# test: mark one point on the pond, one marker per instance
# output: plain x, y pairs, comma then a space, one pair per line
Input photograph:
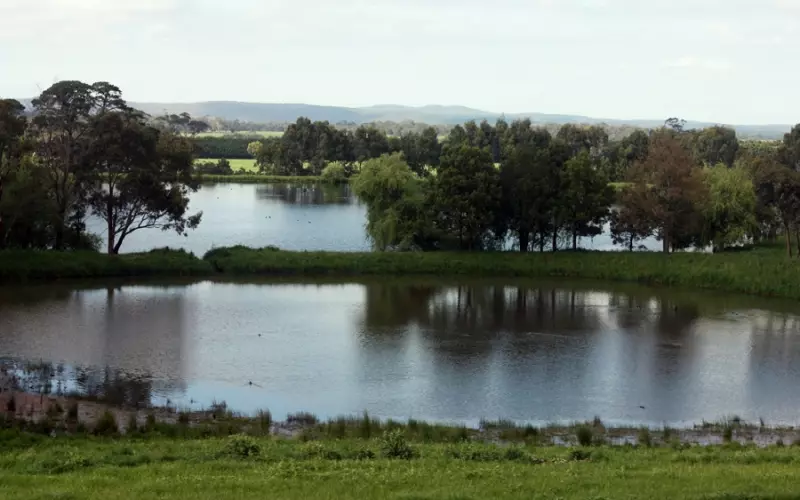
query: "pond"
289, 216
447, 351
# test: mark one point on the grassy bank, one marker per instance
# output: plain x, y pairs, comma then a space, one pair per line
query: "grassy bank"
243, 468
763, 271
21, 266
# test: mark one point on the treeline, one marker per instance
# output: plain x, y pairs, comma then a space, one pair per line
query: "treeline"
493, 184
306, 147
82, 150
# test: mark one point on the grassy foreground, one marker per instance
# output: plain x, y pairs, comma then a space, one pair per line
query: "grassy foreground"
761, 271
240, 467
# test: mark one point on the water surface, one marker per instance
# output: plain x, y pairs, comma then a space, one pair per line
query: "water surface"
532, 351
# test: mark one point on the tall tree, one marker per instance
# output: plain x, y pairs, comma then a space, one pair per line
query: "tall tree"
529, 181
730, 211
586, 197
142, 177
395, 204
467, 194
789, 151
61, 126
714, 145
667, 190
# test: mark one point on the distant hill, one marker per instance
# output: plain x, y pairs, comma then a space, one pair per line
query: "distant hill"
431, 114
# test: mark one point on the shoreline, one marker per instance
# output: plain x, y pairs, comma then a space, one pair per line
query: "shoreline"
76, 416
763, 271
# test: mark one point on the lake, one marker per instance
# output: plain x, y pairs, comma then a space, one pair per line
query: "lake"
439, 350
289, 216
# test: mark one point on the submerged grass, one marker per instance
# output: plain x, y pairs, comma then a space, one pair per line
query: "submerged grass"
387, 466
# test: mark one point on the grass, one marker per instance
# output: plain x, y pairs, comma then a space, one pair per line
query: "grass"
387, 466
248, 165
761, 271
260, 133
20, 265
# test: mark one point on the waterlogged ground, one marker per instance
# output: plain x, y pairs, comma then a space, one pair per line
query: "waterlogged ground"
439, 351
290, 216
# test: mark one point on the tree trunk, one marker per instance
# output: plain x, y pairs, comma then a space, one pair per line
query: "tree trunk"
797, 240
574, 239
788, 241
665, 242
630, 243
524, 240
555, 239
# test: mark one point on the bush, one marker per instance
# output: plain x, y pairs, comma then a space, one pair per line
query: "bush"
72, 412
334, 173
303, 418
264, 421
580, 455
584, 435
394, 445
727, 434
644, 438
11, 405
242, 446
106, 425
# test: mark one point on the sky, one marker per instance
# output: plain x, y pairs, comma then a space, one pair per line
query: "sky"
726, 61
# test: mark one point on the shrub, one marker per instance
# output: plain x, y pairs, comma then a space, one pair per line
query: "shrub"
133, 424
365, 454
242, 446
335, 172
394, 445
106, 425
72, 412
264, 420
183, 418
727, 434
11, 405
580, 455
644, 438
584, 435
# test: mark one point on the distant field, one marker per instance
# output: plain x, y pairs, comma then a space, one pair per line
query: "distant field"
236, 164
262, 133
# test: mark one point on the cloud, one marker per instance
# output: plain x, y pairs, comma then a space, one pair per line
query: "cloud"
693, 62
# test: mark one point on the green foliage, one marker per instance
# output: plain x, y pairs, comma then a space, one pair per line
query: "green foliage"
231, 146
584, 435
394, 445
730, 210
242, 446
334, 173
584, 205
394, 202
714, 145
644, 438
106, 425
466, 195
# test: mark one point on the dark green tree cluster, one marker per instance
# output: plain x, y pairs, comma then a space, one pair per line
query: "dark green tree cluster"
515, 183
306, 147
82, 150
539, 193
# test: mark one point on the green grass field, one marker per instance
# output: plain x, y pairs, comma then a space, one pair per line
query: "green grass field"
248, 165
260, 133
255, 468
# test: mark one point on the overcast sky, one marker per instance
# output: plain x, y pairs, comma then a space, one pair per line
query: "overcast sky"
729, 61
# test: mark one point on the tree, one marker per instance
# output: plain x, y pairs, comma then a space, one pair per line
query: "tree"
529, 180
395, 204
369, 142
714, 145
467, 194
629, 225
677, 125
778, 187
730, 213
61, 126
578, 137
141, 177
254, 148
585, 198
197, 127
12, 129
789, 151
667, 190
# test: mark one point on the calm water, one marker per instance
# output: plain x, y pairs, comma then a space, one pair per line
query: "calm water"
529, 351
289, 216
